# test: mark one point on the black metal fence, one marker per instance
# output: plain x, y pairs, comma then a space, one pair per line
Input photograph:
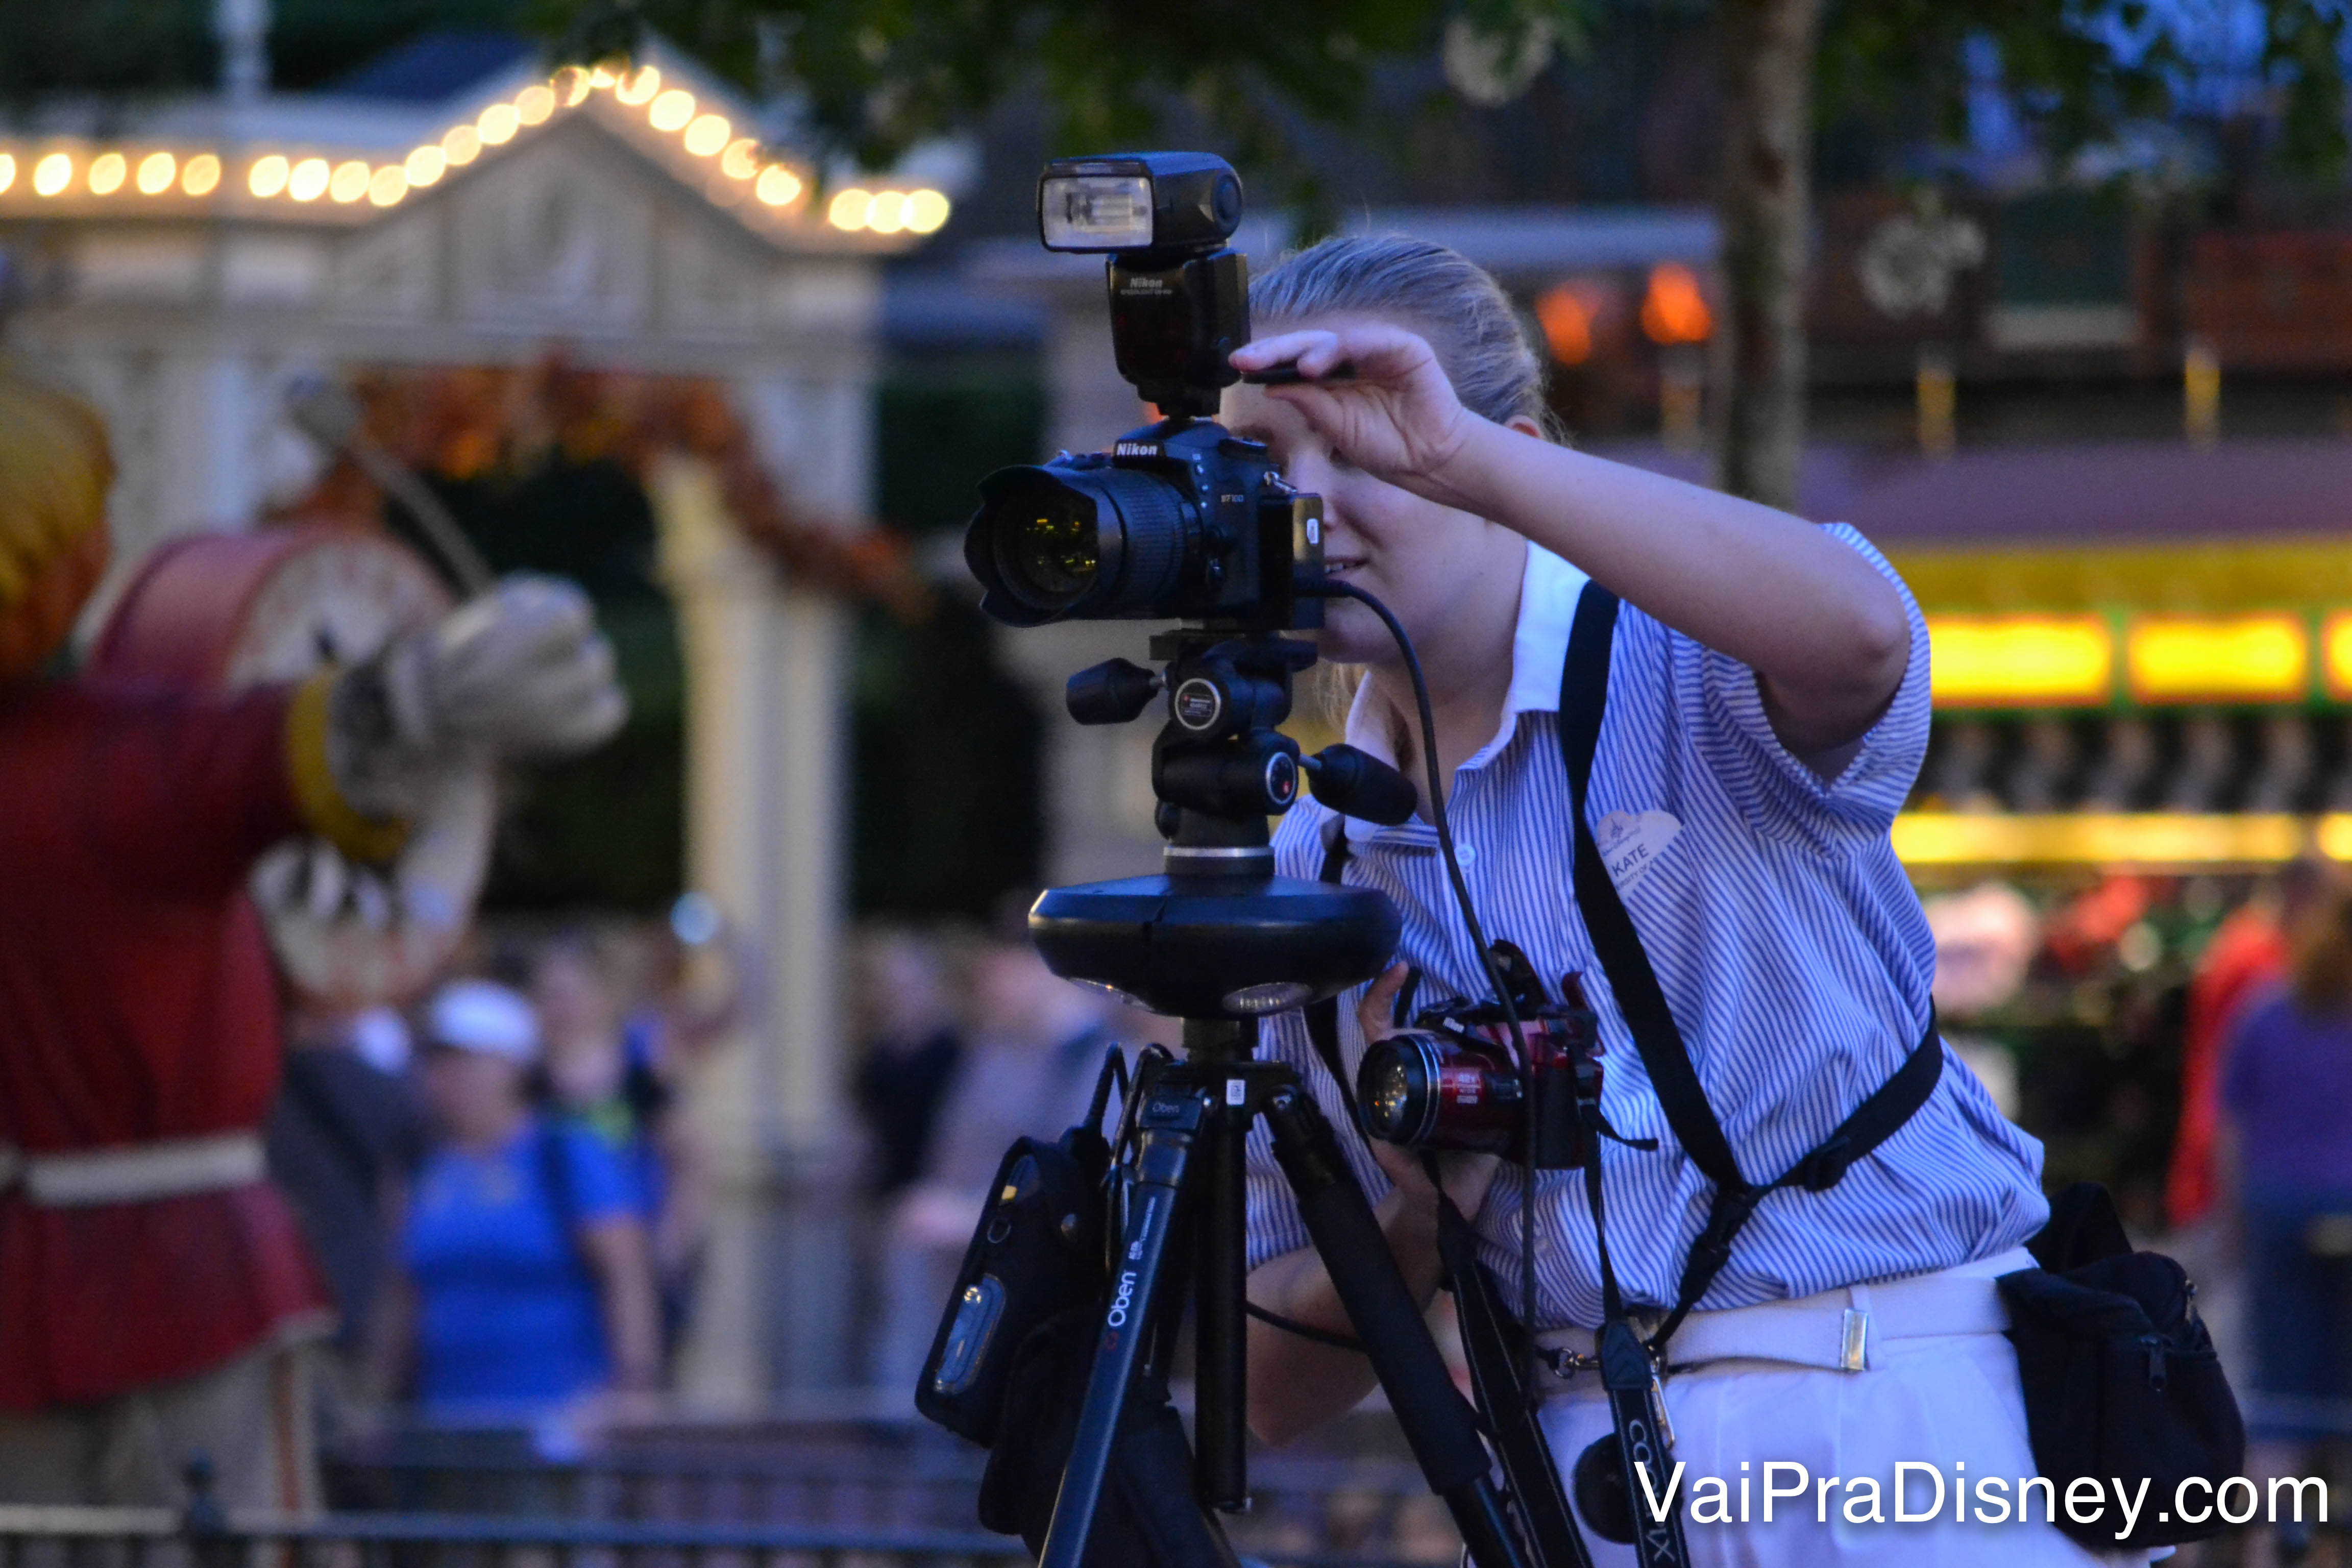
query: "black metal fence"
158, 1538
1362, 1498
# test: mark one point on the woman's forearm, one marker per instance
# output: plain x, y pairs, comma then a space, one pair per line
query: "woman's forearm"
1296, 1384
1826, 632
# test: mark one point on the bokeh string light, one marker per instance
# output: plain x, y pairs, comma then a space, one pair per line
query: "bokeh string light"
671, 111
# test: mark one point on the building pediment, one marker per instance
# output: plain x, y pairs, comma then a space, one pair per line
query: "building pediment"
574, 235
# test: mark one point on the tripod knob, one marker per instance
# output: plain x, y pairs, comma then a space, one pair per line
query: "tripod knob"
1355, 784
1111, 692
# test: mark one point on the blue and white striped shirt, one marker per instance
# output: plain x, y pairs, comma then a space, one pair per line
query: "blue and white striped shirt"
1787, 937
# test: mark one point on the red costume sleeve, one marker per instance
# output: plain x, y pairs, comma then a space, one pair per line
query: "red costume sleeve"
180, 792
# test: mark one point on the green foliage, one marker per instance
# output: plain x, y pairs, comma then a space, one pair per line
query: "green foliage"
939, 426
166, 45
1883, 52
2059, 60
946, 815
881, 75
606, 830
2303, 41
312, 42
105, 46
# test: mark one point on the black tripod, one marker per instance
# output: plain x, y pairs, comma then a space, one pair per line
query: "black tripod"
1220, 941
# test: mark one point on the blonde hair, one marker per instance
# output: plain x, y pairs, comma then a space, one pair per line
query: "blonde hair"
55, 471
1450, 300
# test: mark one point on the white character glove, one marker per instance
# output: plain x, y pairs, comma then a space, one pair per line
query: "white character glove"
520, 673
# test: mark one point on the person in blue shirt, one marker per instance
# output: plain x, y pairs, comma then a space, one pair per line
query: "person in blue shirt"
1766, 712
524, 1253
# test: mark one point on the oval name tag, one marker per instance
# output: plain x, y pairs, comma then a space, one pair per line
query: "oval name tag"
1630, 843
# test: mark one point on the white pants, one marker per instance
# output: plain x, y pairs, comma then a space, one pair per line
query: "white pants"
1940, 1400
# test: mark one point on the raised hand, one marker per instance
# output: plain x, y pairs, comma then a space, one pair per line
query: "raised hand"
1396, 417
519, 673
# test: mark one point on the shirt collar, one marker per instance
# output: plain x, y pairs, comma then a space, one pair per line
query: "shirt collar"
1548, 590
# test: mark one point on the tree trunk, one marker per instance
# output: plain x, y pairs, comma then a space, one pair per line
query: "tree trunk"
1765, 205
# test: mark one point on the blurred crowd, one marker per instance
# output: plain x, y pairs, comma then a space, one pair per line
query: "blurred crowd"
500, 1183
2261, 1170
2188, 1042
966, 1041
511, 1204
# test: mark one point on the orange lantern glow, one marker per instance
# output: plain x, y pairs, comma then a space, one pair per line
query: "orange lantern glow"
1567, 323
2335, 653
1675, 311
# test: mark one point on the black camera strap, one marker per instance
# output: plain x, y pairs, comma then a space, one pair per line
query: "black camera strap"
1628, 1366
1584, 693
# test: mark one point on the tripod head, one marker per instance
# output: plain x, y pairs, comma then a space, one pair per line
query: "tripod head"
1219, 935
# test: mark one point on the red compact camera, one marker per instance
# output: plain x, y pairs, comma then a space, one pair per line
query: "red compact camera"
1456, 1080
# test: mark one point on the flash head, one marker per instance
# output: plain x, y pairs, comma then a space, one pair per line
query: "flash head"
1189, 202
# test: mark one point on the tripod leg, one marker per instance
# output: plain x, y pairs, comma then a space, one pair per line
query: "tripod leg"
1438, 1424
1169, 1121
1220, 1418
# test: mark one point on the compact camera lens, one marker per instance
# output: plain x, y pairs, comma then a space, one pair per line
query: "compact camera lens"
1053, 554
1394, 1086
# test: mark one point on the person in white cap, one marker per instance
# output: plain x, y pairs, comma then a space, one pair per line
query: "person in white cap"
526, 1280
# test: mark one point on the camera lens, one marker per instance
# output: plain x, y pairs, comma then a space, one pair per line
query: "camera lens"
1052, 555
1091, 542
1394, 1086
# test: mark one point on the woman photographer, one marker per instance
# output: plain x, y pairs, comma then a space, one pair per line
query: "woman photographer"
1767, 711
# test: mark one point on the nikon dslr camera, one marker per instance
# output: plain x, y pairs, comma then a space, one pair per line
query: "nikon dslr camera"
1181, 520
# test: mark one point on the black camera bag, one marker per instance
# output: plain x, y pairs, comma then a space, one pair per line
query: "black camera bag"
1008, 1367
2120, 1376
1038, 1251
1146, 1518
